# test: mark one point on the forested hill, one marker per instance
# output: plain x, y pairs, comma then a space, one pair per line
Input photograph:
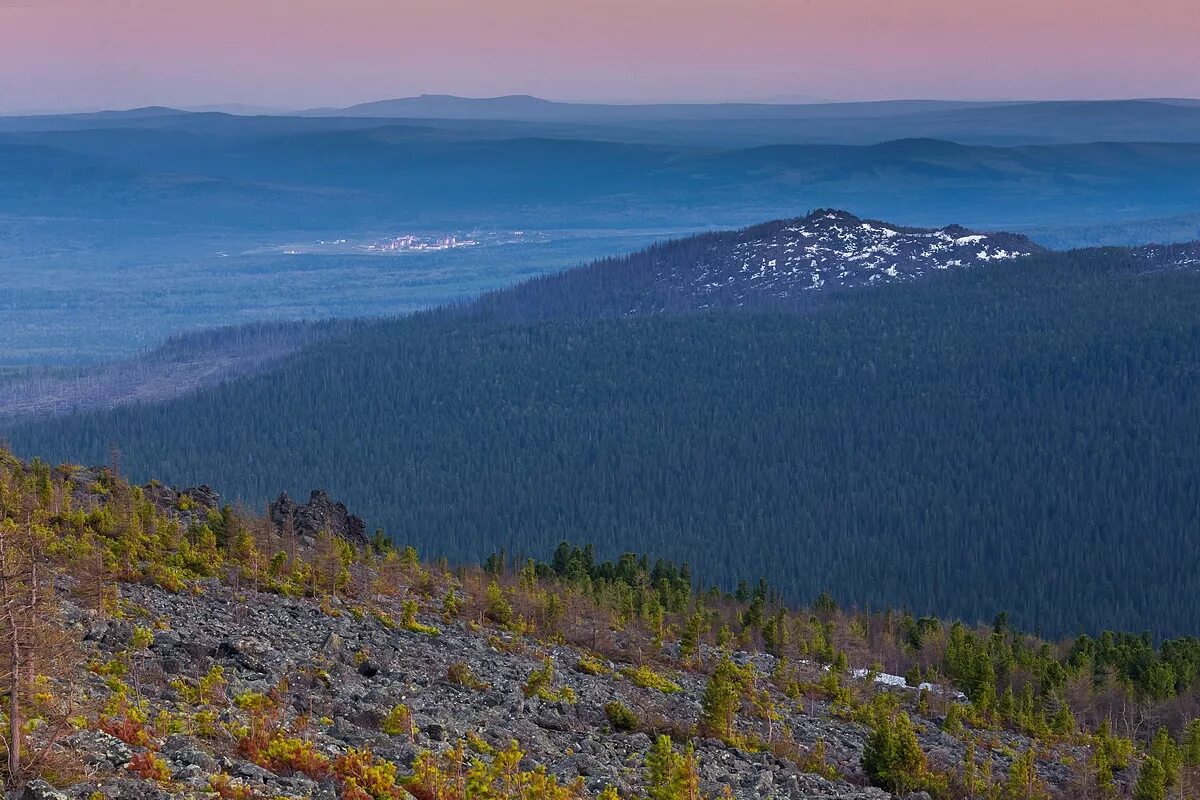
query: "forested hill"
1022, 437
780, 265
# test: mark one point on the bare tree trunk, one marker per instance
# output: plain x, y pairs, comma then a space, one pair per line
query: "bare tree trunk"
14, 676
14, 708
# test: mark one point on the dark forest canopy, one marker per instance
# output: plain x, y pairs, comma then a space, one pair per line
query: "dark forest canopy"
1023, 438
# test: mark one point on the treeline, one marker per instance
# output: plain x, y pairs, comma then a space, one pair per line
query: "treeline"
1023, 437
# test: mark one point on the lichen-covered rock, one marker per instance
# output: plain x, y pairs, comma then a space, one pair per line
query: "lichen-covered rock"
40, 790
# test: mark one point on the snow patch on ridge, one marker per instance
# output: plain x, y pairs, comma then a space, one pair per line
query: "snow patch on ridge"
836, 250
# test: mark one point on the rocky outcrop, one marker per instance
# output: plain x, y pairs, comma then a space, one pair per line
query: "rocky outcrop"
318, 514
190, 506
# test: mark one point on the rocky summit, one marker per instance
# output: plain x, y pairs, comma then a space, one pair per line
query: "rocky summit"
837, 250
781, 263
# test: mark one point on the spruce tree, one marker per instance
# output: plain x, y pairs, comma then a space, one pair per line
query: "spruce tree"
1191, 744
892, 757
1023, 782
1163, 749
1151, 781
722, 697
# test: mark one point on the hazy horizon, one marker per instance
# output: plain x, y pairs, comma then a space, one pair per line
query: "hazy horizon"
237, 107
300, 54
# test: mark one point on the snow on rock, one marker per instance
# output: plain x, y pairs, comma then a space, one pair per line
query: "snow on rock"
1164, 257
899, 682
835, 250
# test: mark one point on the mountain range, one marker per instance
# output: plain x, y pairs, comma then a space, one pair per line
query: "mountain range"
264, 174
714, 124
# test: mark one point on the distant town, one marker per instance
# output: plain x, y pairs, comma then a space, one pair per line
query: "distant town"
405, 243
410, 242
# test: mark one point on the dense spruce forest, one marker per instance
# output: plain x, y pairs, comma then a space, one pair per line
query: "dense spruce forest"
1023, 437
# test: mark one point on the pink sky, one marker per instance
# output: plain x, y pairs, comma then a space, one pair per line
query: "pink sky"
303, 53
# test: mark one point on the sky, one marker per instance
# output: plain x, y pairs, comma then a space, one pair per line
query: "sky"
75, 54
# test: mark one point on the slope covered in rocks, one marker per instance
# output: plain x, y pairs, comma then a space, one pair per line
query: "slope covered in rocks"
189, 649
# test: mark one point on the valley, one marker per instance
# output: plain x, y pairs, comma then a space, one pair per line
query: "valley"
95, 303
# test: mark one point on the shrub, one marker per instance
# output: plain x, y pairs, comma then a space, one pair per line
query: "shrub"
169, 578
361, 773
497, 609
816, 762
620, 717
223, 786
408, 620
443, 777
477, 743
647, 678
538, 685
398, 721
253, 702
589, 665
291, 754
148, 766
209, 688
460, 674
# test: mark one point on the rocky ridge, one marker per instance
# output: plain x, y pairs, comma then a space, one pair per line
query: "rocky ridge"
829, 250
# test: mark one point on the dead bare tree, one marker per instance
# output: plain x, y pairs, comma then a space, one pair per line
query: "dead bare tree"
33, 644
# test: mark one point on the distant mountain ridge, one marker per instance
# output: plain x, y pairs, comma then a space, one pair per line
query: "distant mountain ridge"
530, 107
523, 106
708, 124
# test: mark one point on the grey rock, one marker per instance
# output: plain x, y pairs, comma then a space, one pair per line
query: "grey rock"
188, 751
101, 749
253, 772
40, 790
